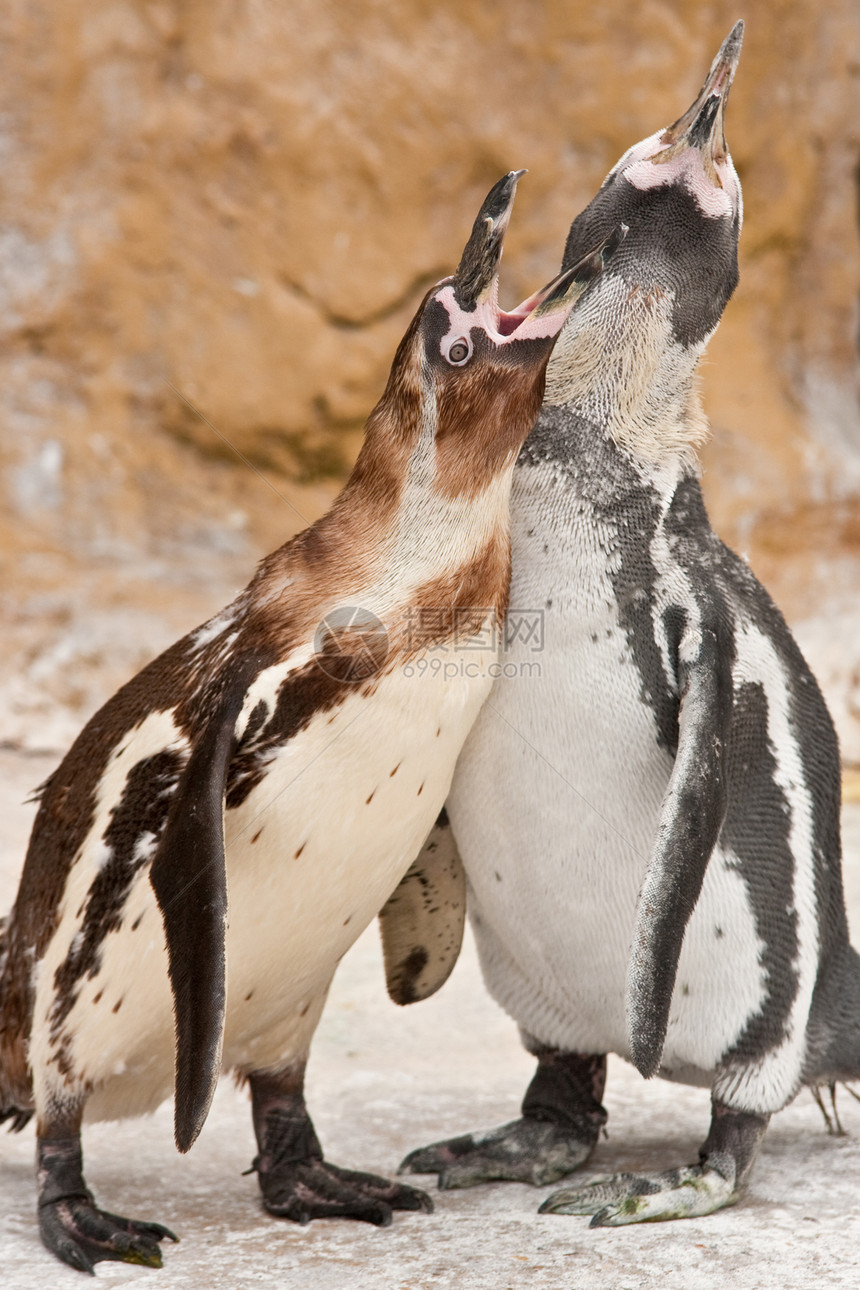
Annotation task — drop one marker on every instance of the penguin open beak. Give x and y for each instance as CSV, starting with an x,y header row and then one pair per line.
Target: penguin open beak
x,y
701,126
475,285
476,280
545,313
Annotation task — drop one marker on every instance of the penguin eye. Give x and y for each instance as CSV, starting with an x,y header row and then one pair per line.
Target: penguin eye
x,y
459,352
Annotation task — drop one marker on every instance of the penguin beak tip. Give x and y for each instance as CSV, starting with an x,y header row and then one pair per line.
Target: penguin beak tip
x,y
476,279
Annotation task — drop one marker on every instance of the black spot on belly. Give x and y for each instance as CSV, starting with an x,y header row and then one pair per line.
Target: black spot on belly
x,y
368,800
140,811
256,835
403,977
137,922
300,850
420,791
116,1007
249,996
392,773
498,876
347,920
719,933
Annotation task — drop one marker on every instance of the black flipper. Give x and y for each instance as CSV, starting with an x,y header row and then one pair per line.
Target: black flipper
x,y
189,877
691,818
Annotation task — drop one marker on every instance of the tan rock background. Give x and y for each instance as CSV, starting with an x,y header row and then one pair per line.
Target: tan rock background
x,y
244,203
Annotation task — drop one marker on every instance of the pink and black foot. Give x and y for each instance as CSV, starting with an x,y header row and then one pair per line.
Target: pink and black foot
x,y
74,1228
725,1161
297,1183
561,1121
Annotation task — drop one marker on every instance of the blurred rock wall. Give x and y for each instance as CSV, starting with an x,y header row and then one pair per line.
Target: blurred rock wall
x,y
217,218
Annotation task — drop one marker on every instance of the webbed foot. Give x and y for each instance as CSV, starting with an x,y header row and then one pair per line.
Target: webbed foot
x,y
296,1181
529,1151
307,1189
647,1198
561,1122
725,1160
75,1229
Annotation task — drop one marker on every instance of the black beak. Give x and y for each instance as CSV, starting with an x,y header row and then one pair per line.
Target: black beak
x,y
477,274
701,126
560,295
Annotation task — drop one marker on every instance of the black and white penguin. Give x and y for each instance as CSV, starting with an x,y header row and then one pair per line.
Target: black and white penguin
x,y
650,827
225,827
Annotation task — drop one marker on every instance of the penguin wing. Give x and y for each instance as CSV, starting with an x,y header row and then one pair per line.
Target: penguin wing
x,y
422,921
189,877
691,817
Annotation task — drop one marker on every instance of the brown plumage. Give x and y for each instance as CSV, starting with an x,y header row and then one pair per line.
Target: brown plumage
x,y
292,705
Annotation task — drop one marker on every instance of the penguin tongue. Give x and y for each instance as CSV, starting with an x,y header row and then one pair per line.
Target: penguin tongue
x,y
476,279
702,124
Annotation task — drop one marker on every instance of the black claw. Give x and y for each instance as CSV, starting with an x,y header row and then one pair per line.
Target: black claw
x,y
423,1202
384,1216
74,1257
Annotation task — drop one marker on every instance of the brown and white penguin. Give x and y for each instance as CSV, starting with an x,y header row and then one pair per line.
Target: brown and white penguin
x,y
229,822
650,827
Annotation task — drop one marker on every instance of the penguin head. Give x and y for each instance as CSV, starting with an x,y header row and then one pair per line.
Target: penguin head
x,y
679,195
468,378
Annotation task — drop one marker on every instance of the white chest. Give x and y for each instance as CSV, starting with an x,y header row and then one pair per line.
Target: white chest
x,y
555,806
559,785
319,845
311,854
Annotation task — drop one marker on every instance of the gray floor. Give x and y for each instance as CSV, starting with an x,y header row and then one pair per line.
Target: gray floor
x,y
384,1080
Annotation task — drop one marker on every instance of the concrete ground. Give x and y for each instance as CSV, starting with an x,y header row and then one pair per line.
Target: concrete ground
x,y
383,1080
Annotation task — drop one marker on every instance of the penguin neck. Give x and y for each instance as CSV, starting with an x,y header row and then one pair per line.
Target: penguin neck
x,y
396,530
618,366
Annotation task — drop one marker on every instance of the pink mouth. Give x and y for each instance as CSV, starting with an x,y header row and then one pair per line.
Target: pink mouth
x,y
510,321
